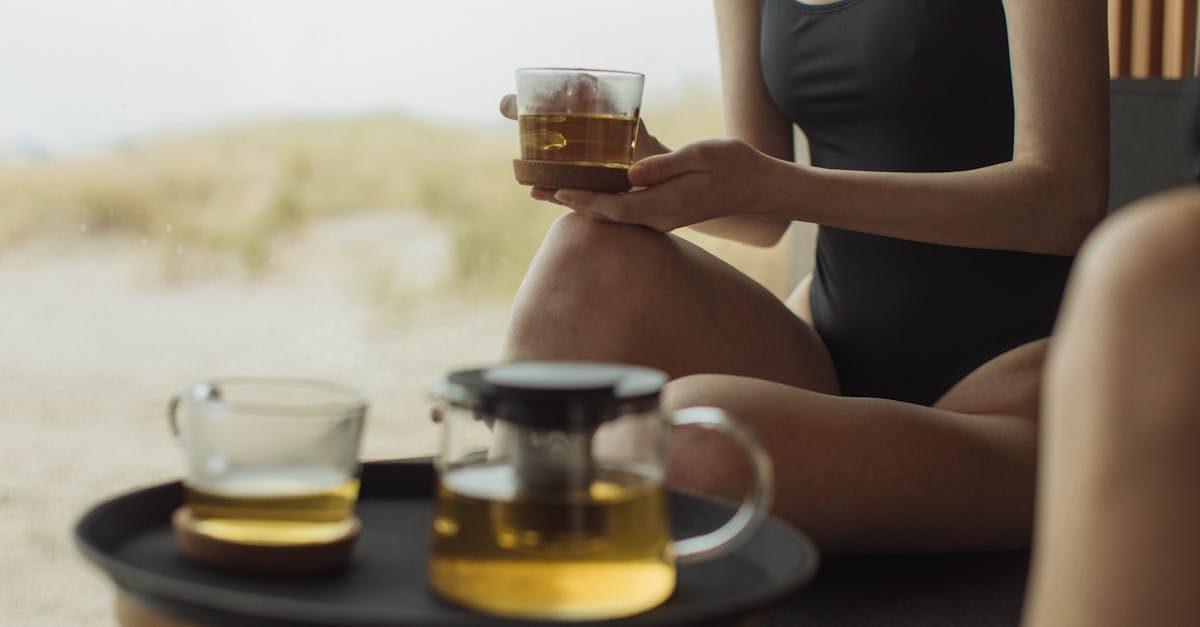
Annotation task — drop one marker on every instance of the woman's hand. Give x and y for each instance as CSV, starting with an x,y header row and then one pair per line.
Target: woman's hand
x,y
646,145
699,182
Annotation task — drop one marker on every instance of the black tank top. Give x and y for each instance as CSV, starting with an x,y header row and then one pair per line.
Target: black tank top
x,y
908,86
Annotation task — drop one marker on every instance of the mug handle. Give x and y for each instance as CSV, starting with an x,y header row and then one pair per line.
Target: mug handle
x,y
756,505
173,417
204,391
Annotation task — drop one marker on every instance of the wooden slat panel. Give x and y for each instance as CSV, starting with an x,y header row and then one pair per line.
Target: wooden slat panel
x,y
1192,21
1120,23
1179,38
1146,58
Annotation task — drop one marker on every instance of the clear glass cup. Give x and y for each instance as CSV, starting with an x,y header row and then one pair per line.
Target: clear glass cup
x,y
578,116
551,499
270,461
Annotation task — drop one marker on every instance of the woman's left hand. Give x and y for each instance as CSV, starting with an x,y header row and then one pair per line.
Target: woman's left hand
x,y
698,182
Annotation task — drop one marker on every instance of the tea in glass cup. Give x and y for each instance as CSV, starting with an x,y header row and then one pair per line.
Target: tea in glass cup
x,y
270,461
578,127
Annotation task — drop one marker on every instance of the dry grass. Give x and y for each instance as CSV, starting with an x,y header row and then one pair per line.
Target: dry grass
x,y
236,191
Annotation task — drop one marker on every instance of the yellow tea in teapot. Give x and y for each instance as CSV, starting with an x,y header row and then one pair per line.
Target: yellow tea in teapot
x,y
599,552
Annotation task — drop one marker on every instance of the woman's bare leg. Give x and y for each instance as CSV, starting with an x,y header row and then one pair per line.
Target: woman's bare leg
x,y
613,292
860,475
867,475
1118,529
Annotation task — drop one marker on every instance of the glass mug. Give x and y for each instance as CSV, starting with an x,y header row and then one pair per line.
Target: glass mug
x,y
551,501
270,461
578,127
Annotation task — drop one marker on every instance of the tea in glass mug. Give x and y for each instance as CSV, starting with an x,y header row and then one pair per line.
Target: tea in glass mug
x,y
578,127
551,499
270,461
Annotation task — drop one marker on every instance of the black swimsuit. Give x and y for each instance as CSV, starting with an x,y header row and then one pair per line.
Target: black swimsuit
x,y
908,86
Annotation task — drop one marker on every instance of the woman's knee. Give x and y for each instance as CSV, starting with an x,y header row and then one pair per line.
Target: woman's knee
x,y
601,254
1128,352
586,267
589,285
1150,247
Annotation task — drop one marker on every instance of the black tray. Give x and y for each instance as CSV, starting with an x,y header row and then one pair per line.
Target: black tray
x,y
129,537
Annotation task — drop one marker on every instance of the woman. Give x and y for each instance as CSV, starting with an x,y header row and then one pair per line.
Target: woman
x,y
959,157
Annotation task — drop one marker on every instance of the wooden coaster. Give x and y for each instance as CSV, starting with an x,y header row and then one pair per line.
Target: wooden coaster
x,y
261,559
556,175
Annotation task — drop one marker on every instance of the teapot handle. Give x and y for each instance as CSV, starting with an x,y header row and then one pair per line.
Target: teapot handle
x,y
756,504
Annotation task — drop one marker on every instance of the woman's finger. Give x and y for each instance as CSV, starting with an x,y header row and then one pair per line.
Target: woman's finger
x,y
544,193
592,214
631,208
658,168
577,198
508,106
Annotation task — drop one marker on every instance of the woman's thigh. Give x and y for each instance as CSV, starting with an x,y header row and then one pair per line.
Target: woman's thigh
x,y
867,475
1009,384
614,292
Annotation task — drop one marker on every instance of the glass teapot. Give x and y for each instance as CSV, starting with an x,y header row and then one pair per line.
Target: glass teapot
x,y
551,498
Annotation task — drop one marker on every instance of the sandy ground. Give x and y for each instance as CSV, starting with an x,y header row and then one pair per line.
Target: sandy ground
x,y
94,339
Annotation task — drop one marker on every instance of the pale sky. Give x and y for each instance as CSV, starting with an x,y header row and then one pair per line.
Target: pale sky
x,y
77,72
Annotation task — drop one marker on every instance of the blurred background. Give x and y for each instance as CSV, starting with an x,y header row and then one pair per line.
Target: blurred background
x,y
194,189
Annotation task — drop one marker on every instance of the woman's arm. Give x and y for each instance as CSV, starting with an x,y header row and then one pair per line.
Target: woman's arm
x,y
750,114
1045,200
